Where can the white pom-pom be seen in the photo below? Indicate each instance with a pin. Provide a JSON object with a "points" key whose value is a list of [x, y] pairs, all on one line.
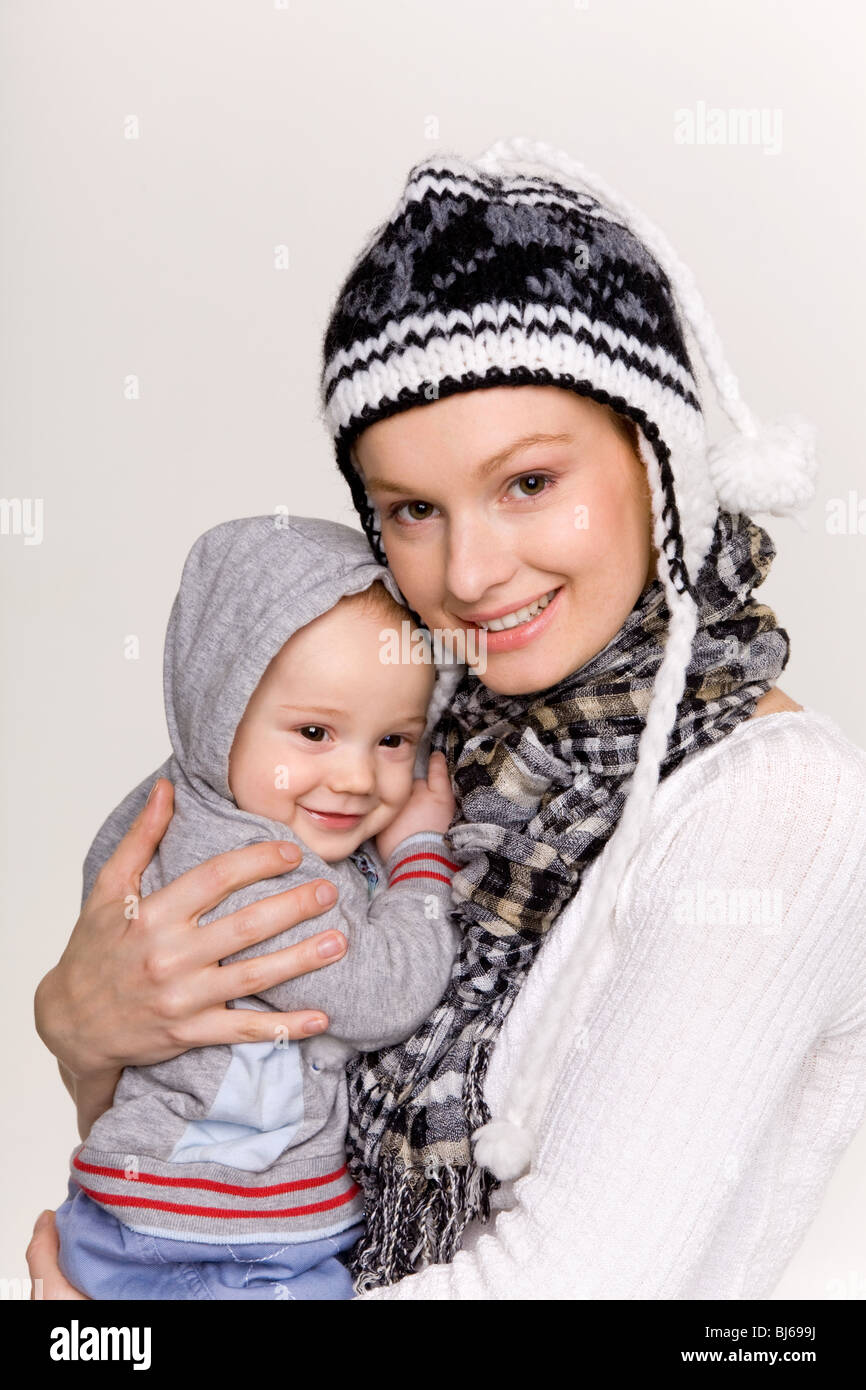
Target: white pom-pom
{"points": [[504, 1148], [773, 471]]}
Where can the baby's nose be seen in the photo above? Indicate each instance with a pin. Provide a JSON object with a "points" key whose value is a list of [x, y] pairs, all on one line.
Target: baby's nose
{"points": [[354, 772]]}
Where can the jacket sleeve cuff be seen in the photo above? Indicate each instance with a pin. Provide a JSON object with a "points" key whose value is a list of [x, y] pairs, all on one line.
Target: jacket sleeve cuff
{"points": [[420, 861]]}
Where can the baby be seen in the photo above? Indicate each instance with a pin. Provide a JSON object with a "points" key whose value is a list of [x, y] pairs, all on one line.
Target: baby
{"points": [[221, 1173]]}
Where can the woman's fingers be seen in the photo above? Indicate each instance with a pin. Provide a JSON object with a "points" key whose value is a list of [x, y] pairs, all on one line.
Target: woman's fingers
{"points": [[209, 984], [258, 973], [260, 921], [133, 992], [46, 1280], [124, 868], [195, 892], [222, 1025]]}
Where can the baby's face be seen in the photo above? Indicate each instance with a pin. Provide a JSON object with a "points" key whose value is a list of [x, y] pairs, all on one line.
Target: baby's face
{"points": [[327, 742]]}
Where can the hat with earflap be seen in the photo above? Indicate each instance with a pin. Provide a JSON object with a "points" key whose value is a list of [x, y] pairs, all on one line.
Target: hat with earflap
{"points": [[523, 267]]}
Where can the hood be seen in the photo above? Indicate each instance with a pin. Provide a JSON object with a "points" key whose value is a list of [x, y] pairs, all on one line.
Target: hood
{"points": [[247, 587]]}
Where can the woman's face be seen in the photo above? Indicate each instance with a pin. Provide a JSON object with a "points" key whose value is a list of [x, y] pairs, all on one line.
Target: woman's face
{"points": [[495, 498]]}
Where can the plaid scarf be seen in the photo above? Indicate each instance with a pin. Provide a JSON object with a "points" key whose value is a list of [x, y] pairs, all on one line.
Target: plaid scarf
{"points": [[540, 781]]}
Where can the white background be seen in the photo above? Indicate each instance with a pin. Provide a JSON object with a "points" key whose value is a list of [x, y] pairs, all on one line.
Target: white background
{"points": [[294, 125]]}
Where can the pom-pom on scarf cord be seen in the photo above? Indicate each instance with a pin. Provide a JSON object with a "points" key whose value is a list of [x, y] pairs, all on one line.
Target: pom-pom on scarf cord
{"points": [[540, 782]]}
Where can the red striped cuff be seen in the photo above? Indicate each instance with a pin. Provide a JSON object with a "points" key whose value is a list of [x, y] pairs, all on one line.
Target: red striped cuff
{"points": [[421, 859]]}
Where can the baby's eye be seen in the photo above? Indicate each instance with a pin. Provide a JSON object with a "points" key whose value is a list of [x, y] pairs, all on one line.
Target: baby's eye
{"points": [[533, 483], [312, 732], [388, 740], [417, 511]]}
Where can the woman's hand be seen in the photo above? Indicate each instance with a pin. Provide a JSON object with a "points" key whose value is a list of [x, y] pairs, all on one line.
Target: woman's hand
{"points": [[137, 990], [46, 1278]]}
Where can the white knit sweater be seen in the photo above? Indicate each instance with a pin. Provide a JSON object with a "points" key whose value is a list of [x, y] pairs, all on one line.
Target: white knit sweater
{"points": [[715, 1072]]}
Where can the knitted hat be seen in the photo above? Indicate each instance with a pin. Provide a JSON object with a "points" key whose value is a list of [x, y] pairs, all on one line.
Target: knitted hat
{"points": [[523, 267]]}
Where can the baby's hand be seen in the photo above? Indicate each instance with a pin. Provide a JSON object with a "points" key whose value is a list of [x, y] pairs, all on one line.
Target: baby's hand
{"points": [[430, 807]]}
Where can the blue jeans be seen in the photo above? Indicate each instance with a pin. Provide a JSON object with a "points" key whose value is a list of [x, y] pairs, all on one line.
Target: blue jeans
{"points": [[106, 1260]]}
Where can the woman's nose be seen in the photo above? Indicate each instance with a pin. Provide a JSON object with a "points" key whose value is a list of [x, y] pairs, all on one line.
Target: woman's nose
{"points": [[477, 560]]}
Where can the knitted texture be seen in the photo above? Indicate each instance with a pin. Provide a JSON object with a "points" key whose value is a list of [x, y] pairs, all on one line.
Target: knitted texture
{"points": [[710, 1074]]}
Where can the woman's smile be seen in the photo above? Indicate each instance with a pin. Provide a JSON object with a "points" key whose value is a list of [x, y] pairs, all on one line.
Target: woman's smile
{"points": [[515, 628], [510, 616]]}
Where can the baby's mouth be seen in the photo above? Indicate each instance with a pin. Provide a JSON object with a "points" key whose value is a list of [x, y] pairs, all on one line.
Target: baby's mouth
{"points": [[333, 820]]}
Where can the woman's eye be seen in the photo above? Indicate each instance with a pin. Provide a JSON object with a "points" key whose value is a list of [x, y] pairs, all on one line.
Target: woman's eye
{"points": [[418, 511], [532, 484], [313, 732], [388, 740]]}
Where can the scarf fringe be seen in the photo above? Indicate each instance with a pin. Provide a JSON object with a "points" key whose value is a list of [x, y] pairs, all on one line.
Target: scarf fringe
{"points": [[417, 1217]]}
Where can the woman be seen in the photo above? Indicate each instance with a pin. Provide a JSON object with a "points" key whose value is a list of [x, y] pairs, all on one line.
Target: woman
{"points": [[646, 1082]]}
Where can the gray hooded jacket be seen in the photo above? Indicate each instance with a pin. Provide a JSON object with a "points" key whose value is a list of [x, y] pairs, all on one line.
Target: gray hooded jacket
{"points": [[245, 1143]]}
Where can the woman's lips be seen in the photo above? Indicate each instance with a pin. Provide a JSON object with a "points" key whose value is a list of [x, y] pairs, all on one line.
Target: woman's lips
{"points": [[512, 638], [332, 820]]}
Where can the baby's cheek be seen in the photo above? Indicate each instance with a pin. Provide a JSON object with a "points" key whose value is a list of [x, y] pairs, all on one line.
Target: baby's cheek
{"points": [[379, 821], [395, 790], [289, 772]]}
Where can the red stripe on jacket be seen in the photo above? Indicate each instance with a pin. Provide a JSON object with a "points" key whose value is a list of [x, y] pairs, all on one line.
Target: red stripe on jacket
{"points": [[111, 1199], [234, 1190]]}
